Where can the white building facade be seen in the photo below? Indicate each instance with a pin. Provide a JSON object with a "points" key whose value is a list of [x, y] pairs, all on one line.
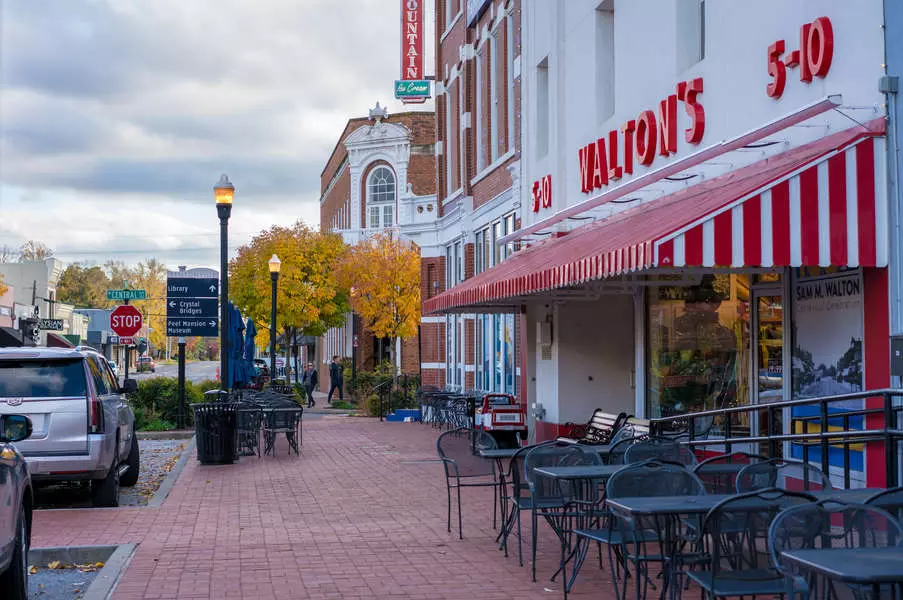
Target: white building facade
{"points": [[706, 209]]}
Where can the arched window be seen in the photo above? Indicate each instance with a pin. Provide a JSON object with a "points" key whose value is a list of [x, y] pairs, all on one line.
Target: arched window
{"points": [[381, 197]]}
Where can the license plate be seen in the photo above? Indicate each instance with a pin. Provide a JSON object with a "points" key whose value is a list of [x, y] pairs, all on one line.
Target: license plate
{"points": [[507, 418]]}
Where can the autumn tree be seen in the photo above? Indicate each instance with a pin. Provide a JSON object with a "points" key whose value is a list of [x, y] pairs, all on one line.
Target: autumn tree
{"points": [[8, 254], [33, 250], [83, 286], [3, 288], [310, 298], [150, 275], [383, 275]]}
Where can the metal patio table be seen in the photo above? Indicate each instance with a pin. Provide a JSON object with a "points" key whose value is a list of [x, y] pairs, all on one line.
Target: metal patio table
{"points": [[669, 509], [589, 476], [872, 567]]}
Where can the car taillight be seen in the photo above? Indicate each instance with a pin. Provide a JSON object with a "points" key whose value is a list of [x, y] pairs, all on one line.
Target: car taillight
{"points": [[95, 415]]}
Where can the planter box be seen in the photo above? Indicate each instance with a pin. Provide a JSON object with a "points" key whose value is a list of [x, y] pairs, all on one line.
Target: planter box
{"points": [[404, 413]]}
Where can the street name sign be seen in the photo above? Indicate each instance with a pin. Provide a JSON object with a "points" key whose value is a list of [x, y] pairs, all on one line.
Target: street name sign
{"points": [[126, 320], [126, 295], [192, 307], [412, 90], [51, 324]]}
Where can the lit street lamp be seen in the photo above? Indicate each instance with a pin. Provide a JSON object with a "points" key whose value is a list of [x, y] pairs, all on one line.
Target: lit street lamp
{"points": [[275, 264], [224, 191]]}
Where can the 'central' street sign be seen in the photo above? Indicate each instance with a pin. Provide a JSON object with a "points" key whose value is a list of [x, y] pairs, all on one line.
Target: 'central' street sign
{"points": [[126, 295]]}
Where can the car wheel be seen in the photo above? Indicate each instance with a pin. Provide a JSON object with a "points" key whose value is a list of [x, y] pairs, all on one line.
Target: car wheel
{"points": [[105, 492], [14, 581], [134, 463]]}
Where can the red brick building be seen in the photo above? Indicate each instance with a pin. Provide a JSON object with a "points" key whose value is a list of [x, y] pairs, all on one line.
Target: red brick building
{"points": [[382, 169], [458, 192], [478, 189]]}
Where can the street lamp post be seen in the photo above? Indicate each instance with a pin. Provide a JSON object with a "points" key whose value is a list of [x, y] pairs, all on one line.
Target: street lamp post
{"points": [[224, 191], [275, 264]]}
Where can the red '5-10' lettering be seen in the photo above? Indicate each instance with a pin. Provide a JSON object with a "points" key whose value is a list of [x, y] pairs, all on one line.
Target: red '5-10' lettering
{"points": [[813, 57]]}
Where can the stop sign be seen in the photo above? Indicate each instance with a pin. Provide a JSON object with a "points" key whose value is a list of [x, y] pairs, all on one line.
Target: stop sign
{"points": [[125, 320]]}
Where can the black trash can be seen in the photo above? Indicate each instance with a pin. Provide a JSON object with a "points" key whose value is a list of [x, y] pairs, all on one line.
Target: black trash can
{"points": [[215, 430]]}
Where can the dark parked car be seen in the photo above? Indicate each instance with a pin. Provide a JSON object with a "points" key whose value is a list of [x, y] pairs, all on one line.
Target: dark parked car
{"points": [[15, 508], [146, 363]]}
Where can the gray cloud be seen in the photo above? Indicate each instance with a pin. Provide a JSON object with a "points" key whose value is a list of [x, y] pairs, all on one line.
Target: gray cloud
{"points": [[107, 98]]}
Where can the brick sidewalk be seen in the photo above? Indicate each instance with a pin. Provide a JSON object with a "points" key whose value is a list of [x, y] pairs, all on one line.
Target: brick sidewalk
{"points": [[352, 517]]}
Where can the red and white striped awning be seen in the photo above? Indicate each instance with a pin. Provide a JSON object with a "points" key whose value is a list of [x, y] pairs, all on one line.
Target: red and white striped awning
{"points": [[822, 204]]}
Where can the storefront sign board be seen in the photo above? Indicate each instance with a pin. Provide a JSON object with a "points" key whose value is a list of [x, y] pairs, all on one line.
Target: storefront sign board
{"points": [[828, 352], [412, 39]]}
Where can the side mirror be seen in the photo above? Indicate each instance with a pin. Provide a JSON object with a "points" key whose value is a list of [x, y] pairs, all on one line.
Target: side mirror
{"points": [[14, 428], [129, 386]]}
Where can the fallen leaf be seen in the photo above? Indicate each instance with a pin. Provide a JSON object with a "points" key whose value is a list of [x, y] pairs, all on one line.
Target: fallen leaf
{"points": [[55, 564], [99, 565], [33, 569]]}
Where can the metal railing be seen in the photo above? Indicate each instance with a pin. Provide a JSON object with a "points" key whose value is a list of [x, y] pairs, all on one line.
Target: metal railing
{"points": [[838, 429]]}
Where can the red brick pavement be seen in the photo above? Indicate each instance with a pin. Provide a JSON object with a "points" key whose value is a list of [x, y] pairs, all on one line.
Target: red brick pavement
{"points": [[353, 517]]}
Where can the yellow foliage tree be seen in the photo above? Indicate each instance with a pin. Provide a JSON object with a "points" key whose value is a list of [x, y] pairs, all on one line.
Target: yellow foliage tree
{"points": [[3, 288], [150, 276], [383, 275], [310, 298]]}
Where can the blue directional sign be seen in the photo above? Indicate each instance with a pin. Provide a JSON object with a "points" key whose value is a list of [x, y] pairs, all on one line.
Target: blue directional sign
{"points": [[192, 327], [192, 307], [189, 287]]}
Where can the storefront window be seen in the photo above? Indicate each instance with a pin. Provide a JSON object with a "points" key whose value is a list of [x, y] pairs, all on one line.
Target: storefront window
{"points": [[509, 354], [699, 346]]}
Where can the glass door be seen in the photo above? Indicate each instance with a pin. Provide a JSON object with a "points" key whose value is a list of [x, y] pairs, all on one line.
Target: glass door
{"points": [[768, 357]]}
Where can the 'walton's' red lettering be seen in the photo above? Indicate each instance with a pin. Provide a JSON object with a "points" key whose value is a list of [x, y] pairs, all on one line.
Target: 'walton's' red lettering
{"points": [[648, 135]]}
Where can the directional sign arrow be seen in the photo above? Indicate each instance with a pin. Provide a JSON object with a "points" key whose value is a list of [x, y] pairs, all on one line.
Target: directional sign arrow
{"points": [[199, 308], [190, 287]]}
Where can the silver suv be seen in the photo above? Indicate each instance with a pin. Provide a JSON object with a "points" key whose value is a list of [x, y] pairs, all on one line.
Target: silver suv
{"points": [[82, 427]]}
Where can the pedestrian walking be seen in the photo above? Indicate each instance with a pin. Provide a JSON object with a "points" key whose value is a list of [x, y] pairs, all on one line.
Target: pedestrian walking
{"points": [[335, 379], [311, 379]]}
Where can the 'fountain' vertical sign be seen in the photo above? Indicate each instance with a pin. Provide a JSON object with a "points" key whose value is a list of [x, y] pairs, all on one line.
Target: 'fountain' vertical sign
{"points": [[411, 39]]}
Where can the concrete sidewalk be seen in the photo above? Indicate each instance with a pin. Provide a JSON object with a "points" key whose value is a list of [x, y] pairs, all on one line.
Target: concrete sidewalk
{"points": [[357, 515]]}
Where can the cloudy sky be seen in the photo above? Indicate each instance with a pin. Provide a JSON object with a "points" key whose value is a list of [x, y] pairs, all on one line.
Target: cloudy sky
{"points": [[118, 116]]}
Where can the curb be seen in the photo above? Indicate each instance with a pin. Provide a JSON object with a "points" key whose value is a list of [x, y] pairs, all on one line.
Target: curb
{"points": [[165, 435], [170, 480], [115, 559]]}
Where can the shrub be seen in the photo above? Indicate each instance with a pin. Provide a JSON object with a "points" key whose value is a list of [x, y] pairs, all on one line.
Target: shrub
{"points": [[159, 397], [371, 406]]}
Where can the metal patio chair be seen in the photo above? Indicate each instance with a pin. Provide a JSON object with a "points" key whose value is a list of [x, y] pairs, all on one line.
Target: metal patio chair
{"points": [[629, 538], [890, 500], [831, 524], [517, 498], [664, 449], [719, 473], [281, 420], [250, 419], [551, 498], [617, 451], [464, 467], [735, 559], [779, 473]]}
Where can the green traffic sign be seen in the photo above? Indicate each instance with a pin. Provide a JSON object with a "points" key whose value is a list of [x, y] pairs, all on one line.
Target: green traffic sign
{"points": [[419, 88], [126, 295]]}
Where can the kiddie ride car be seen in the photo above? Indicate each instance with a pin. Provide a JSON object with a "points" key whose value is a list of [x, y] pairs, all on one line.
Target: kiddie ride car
{"points": [[503, 417]]}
